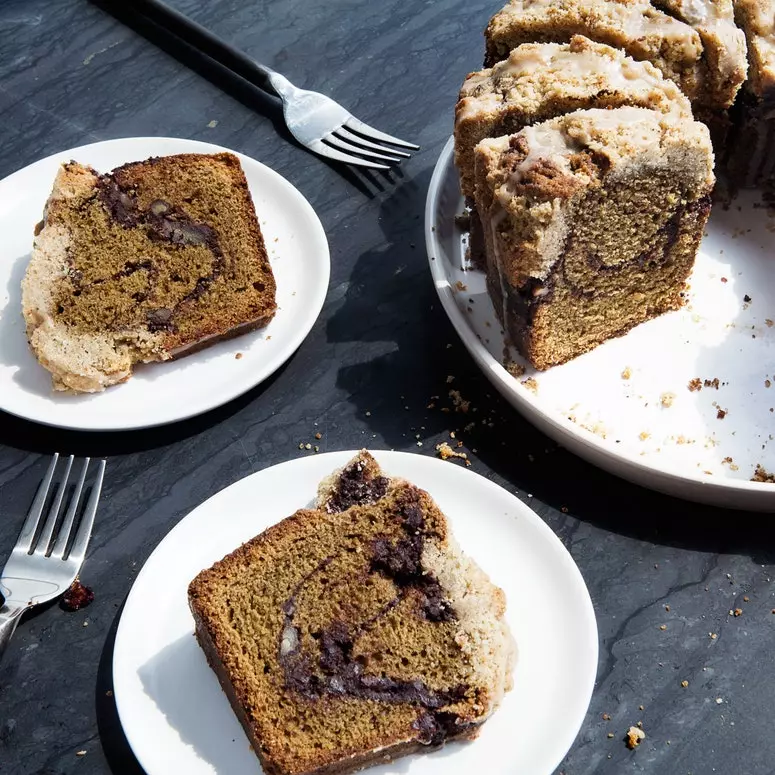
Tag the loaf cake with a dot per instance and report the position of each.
(591, 222)
(539, 81)
(752, 148)
(354, 632)
(145, 263)
(695, 43)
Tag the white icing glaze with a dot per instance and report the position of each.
(590, 68)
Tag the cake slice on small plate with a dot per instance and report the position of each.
(591, 223)
(149, 262)
(354, 632)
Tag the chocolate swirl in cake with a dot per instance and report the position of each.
(164, 222)
(333, 670)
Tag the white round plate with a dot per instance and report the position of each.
(626, 406)
(171, 706)
(162, 392)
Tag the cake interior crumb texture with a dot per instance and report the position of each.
(146, 263)
(591, 222)
(355, 631)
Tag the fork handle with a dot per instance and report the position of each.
(9, 618)
(180, 25)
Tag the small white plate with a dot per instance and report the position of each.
(171, 706)
(610, 406)
(162, 392)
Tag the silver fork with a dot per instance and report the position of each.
(36, 571)
(315, 120)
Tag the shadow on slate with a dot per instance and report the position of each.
(114, 743)
(239, 89)
(32, 437)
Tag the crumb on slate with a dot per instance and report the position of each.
(77, 596)
(635, 735)
(460, 404)
(446, 452)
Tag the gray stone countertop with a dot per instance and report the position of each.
(71, 74)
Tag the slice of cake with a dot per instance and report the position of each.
(146, 263)
(752, 148)
(539, 81)
(591, 223)
(696, 44)
(354, 632)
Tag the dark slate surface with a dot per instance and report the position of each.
(71, 74)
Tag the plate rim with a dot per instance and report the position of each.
(133, 605)
(554, 423)
(297, 335)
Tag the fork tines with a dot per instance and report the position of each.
(36, 538)
(353, 136)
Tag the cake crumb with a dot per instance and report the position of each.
(606, 717)
(662, 626)
(318, 435)
(460, 404)
(446, 452)
(626, 373)
(644, 435)
(666, 399)
(721, 413)
(635, 735)
(80, 753)
(714, 383)
(747, 299)
(684, 684)
(737, 612)
(237, 356)
(461, 286)
(694, 384)
(769, 322)
(515, 369)
(724, 280)
(531, 384)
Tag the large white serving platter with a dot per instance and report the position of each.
(626, 406)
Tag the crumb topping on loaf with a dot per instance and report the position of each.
(696, 44)
(354, 630)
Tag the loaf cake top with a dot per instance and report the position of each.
(535, 73)
(143, 263)
(757, 18)
(533, 175)
(696, 44)
(354, 630)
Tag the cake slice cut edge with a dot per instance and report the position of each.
(355, 632)
(592, 222)
(149, 262)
